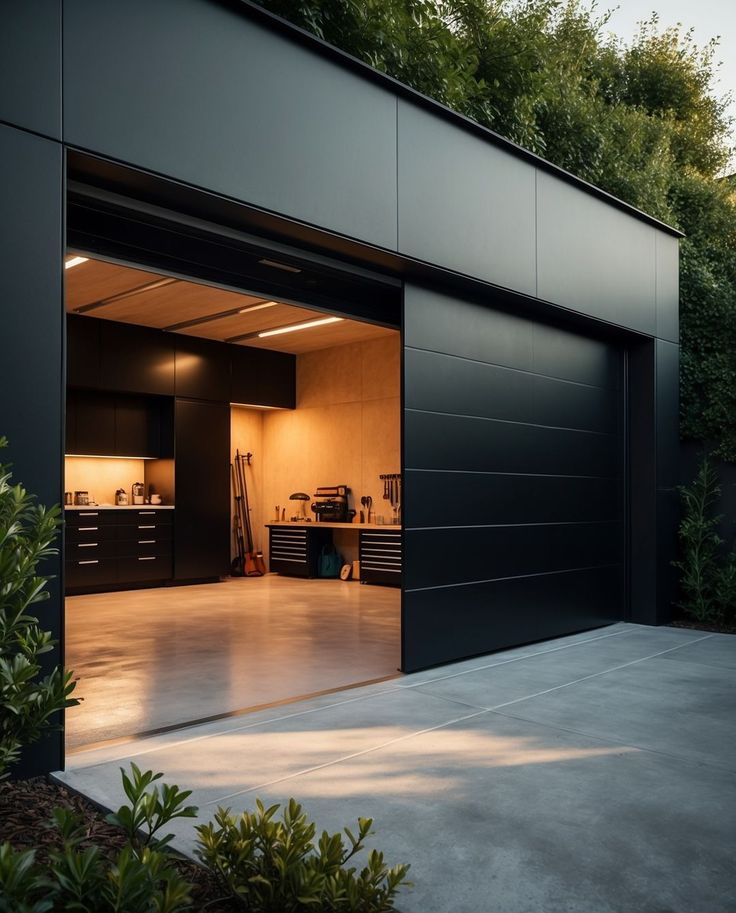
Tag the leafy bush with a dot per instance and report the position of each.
(139, 878)
(707, 577)
(268, 865)
(28, 701)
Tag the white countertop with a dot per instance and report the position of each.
(119, 506)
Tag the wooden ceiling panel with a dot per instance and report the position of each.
(180, 301)
(96, 279)
(252, 322)
(172, 304)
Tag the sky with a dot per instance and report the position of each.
(708, 18)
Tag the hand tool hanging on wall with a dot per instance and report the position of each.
(255, 566)
(237, 564)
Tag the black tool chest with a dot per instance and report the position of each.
(295, 551)
(380, 556)
(107, 549)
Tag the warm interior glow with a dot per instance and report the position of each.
(258, 307)
(102, 476)
(256, 406)
(75, 261)
(300, 326)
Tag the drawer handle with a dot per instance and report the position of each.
(146, 513)
(152, 558)
(86, 545)
(147, 527)
(146, 542)
(88, 529)
(95, 561)
(91, 513)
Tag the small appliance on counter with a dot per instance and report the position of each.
(138, 493)
(331, 505)
(121, 497)
(302, 497)
(155, 498)
(68, 498)
(81, 498)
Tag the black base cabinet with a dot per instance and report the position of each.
(295, 551)
(117, 548)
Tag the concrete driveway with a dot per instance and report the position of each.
(589, 774)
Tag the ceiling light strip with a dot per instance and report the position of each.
(75, 261)
(130, 293)
(287, 328)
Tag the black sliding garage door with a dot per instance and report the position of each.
(514, 480)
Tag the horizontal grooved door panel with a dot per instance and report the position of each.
(445, 383)
(460, 554)
(459, 442)
(436, 498)
(463, 621)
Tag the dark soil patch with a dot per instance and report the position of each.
(25, 811)
(702, 626)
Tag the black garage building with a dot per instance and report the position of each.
(539, 315)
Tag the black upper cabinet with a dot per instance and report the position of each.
(83, 351)
(107, 424)
(202, 369)
(136, 359)
(262, 377)
(92, 428)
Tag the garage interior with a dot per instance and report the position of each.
(166, 377)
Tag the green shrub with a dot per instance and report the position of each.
(81, 877)
(270, 865)
(28, 701)
(707, 577)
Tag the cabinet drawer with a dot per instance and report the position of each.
(145, 516)
(85, 572)
(93, 548)
(136, 569)
(92, 516)
(93, 531)
(381, 557)
(145, 545)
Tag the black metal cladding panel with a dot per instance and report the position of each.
(457, 442)
(667, 357)
(593, 258)
(30, 59)
(31, 367)
(472, 498)
(494, 552)
(463, 203)
(460, 621)
(445, 383)
(668, 287)
(193, 90)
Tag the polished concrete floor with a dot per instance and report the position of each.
(590, 773)
(148, 659)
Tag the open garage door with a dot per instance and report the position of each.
(514, 452)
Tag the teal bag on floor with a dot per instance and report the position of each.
(330, 562)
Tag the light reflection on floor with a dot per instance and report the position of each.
(153, 658)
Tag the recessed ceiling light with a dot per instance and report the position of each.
(284, 266)
(75, 261)
(323, 321)
(258, 307)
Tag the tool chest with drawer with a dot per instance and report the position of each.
(295, 551)
(380, 556)
(113, 548)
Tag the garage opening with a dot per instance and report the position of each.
(232, 488)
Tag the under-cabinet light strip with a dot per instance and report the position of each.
(108, 456)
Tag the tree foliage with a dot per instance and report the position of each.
(641, 120)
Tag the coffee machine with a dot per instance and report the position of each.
(138, 493)
(331, 504)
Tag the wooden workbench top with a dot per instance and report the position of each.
(376, 527)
